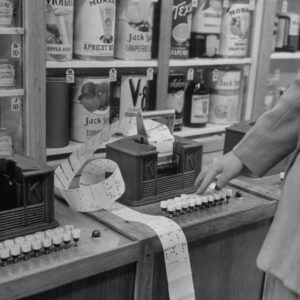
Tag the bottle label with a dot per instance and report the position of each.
(207, 17)
(294, 24)
(199, 108)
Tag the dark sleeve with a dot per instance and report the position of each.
(274, 135)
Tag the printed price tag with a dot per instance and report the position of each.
(113, 74)
(15, 104)
(252, 4)
(246, 70)
(194, 3)
(225, 3)
(277, 74)
(70, 76)
(190, 74)
(215, 75)
(16, 50)
(284, 6)
(150, 74)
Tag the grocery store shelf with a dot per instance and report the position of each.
(116, 63)
(209, 62)
(11, 93)
(11, 30)
(285, 55)
(185, 132)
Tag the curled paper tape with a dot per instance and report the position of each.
(93, 190)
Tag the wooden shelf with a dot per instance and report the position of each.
(185, 132)
(11, 93)
(116, 63)
(11, 30)
(285, 55)
(209, 62)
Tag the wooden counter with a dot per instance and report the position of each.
(223, 243)
(103, 268)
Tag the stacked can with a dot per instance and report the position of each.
(134, 29)
(224, 84)
(59, 30)
(94, 31)
(236, 27)
(206, 29)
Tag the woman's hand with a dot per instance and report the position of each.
(223, 169)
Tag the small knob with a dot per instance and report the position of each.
(96, 234)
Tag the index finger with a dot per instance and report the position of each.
(207, 180)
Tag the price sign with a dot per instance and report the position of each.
(150, 74)
(215, 75)
(113, 75)
(246, 70)
(70, 76)
(190, 74)
(15, 104)
(15, 50)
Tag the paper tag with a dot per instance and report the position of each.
(246, 70)
(113, 75)
(190, 74)
(215, 75)
(252, 4)
(226, 3)
(150, 74)
(284, 6)
(15, 104)
(277, 74)
(16, 50)
(194, 3)
(70, 76)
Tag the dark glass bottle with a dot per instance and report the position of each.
(196, 102)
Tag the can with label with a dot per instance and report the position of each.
(59, 30)
(175, 97)
(94, 30)
(6, 142)
(90, 108)
(206, 29)
(133, 94)
(236, 28)
(181, 28)
(7, 8)
(134, 25)
(7, 74)
(224, 86)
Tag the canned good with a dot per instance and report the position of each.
(6, 12)
(6, 142)
(293, 34)
(224, 98)
(94, 33)
(90, 107)
(59, 30)
(134, 29)
(235, 29)
(175, 97)
(7, 74)
(181, 29)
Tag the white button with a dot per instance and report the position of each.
(26, 246)
(8, 243)
(76, 233)
(4, 253)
